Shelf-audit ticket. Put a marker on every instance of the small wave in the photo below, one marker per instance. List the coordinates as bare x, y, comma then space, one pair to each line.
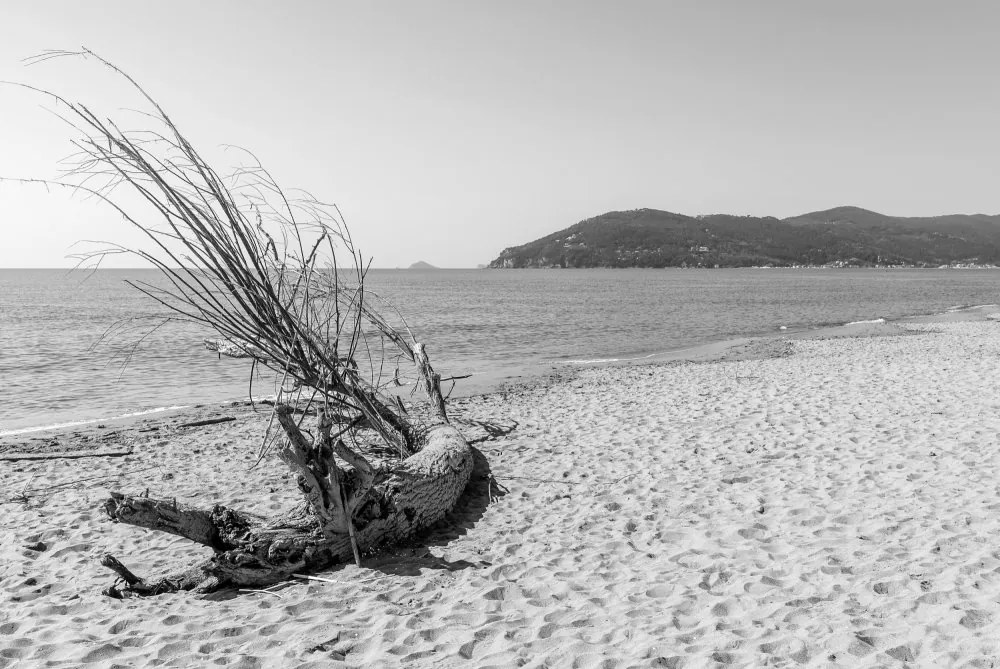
873, 321
89, 421
595, 361
964, 307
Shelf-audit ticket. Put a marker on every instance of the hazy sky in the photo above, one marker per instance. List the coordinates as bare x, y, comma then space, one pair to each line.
447, 131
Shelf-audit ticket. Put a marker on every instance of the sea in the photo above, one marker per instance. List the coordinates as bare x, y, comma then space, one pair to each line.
75, 347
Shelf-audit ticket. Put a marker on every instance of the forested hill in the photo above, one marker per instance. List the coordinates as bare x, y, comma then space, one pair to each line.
841, 236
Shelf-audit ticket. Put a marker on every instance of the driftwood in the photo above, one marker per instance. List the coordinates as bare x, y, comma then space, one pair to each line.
71, 455
385, 506
208, 421
357, 504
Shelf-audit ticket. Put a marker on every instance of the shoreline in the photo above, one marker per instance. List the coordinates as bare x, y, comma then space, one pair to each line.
42, 401
711, 349
542, 372
745, 348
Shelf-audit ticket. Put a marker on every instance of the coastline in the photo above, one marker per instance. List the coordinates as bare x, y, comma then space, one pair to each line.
737, 347
515, 375
536, 324
798, 499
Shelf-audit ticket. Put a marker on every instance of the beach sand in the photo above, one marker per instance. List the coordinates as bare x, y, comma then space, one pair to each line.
830, 501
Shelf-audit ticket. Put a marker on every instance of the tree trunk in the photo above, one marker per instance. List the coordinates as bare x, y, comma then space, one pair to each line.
385, 505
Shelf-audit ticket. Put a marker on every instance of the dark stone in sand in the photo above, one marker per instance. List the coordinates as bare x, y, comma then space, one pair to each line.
37, 546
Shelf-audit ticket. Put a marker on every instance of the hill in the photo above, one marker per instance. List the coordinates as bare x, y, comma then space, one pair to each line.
840, 236
420, 264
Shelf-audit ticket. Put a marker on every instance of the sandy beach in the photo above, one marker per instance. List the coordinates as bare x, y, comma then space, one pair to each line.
809, 501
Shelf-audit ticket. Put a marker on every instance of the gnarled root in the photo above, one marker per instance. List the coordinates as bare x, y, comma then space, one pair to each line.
192, 579
252, 551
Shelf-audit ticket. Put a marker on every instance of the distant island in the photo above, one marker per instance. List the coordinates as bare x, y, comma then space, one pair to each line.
420, 264
840, 237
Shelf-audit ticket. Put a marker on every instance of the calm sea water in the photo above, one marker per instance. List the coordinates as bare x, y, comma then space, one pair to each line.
55, 369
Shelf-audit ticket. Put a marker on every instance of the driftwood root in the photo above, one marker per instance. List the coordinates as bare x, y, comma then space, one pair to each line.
386, 507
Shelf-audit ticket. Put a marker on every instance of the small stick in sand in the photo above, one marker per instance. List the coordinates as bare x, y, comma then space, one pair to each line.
71, 455
22, 497
263, 592
315, 578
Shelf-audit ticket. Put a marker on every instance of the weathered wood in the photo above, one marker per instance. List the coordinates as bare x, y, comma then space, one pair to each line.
431, 382
192, 579
358, 505
72, 455
220, 528
253, 552
343, 506
208, 421
314, 474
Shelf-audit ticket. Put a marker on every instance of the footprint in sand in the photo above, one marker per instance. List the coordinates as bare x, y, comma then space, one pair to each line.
754, 532
119, 626
102, 654
16, 654
724, 657
660, 591
887, 588
70, 549
975, 618
723, 609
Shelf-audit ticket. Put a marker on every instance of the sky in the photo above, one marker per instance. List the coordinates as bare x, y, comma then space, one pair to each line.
447, 131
